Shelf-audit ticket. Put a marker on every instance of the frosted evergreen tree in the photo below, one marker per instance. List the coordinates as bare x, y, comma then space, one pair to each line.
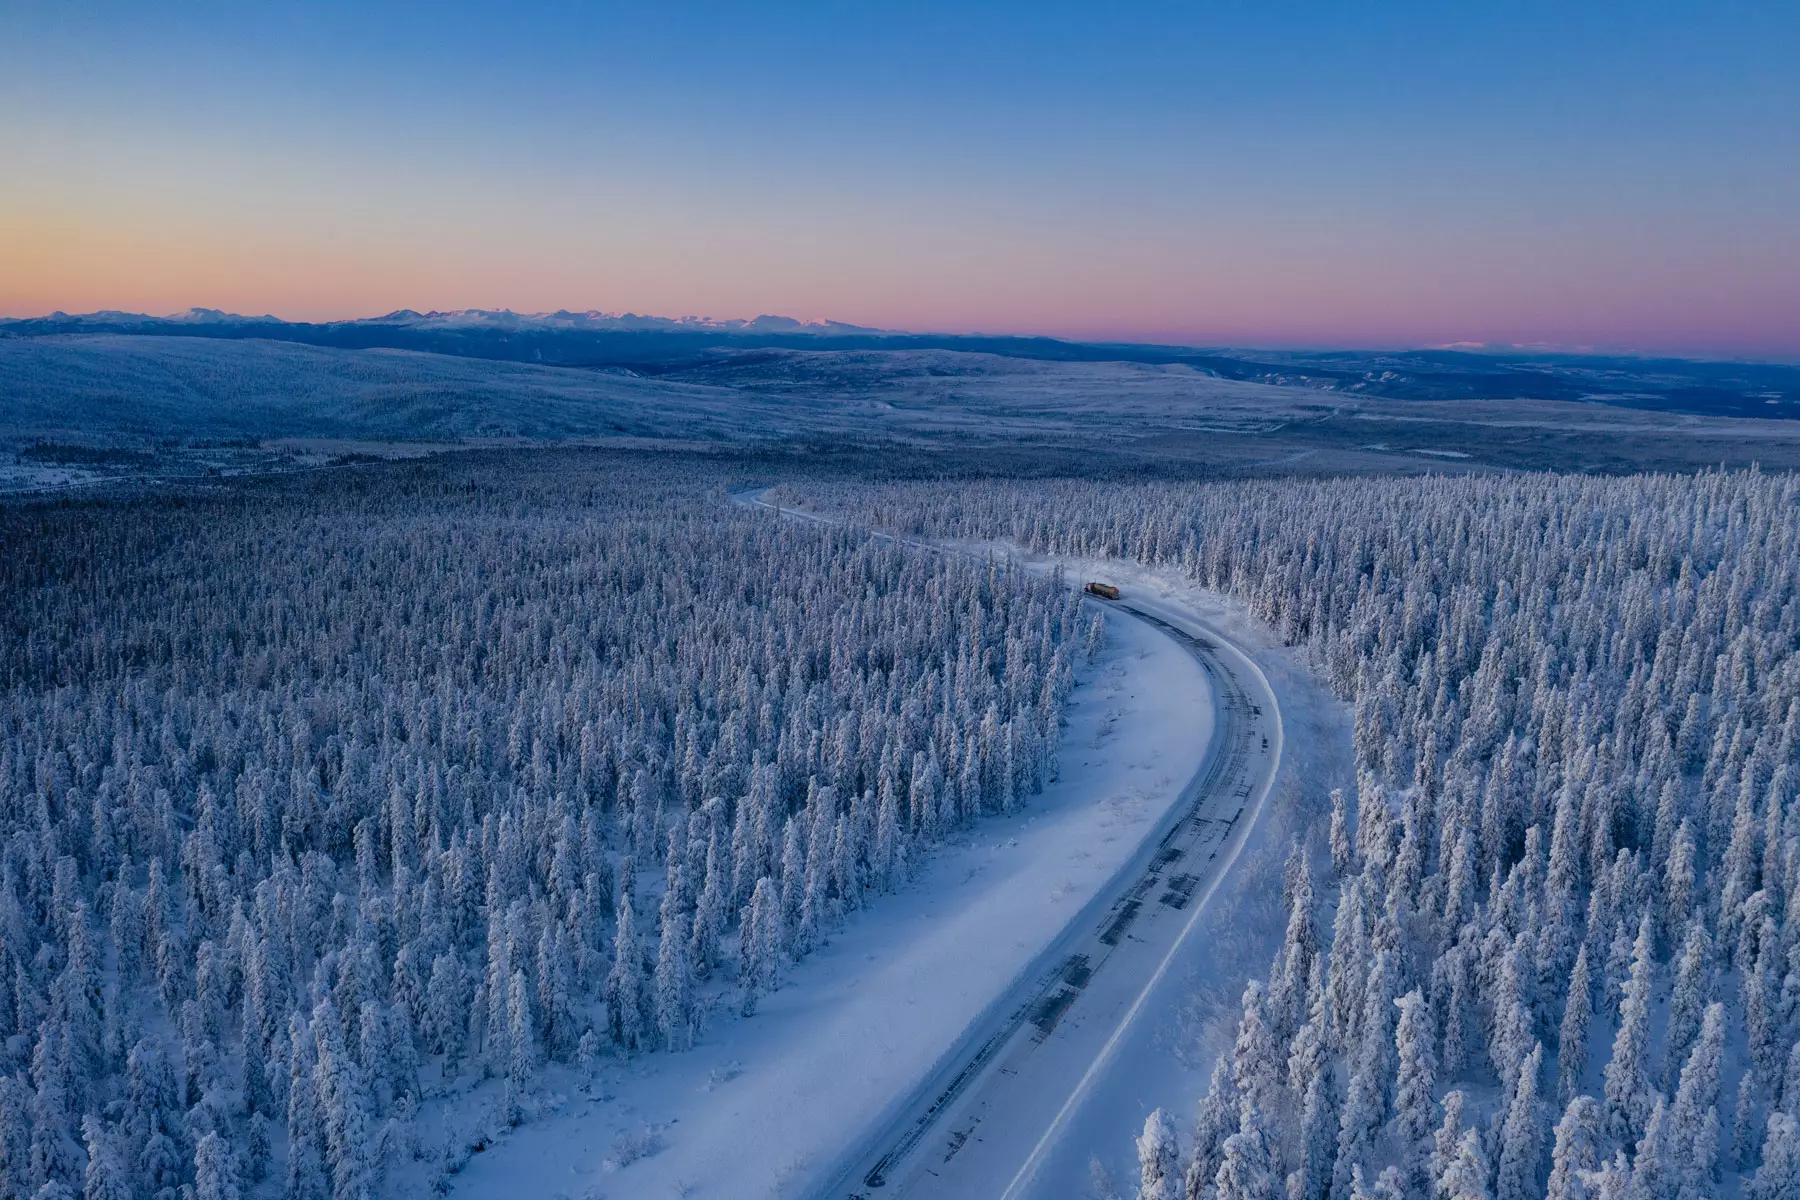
1096, 636
1346, 978
1255, 1066
344, 1105
1447, 1139
1318, 1139
1459, 884
1452, 993
1790, 1086
253, 1074
1743, 1121
1628, 1090
1688, 999
1309, 1052
215, 1169
556, 994
709, 913
674, 983
1679, 876
1576, 1153
306, 1166
1358, 1123
259, 1148
1510, 1040
1465, 1177
625, 982
1295, 961
1159, 1159
1340, 833
521, 1043
1572, 1039
1216, 1120
1361, 1118
1612, 1181
1247, 1169
1694, 1117
890, 852
105, 1176
55, 1154
80, 1002
1521, 1135
1760, 988
761, 944
1415, 1114
446, 1008
1390, 1184
1650, 1166
1778, 1178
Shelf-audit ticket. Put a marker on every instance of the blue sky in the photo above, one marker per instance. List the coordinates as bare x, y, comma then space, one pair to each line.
1622, 176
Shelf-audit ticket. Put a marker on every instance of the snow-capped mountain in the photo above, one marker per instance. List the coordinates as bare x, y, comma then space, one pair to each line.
503, 319
594, 319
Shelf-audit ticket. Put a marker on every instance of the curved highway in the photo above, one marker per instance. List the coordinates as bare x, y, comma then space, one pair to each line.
1064, 1048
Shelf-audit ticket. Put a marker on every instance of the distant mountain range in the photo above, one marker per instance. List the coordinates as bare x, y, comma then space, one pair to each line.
678, 346
114, 321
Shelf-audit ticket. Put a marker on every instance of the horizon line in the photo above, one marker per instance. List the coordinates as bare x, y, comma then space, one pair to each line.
727, 325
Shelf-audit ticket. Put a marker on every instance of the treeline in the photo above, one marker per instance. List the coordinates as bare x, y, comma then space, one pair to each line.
1556, 948
330, 795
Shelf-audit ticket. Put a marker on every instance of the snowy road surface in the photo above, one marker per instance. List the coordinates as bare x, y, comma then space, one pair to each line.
1036, 1090
1055, 1072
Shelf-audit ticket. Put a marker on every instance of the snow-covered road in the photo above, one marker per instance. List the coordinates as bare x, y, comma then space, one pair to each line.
1040, 1084
1056, 1071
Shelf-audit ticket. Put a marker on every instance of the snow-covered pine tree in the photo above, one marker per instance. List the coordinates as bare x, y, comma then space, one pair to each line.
1159, 1159
1576, 1153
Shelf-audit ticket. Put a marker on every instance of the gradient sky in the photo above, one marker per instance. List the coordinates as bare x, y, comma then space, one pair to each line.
1576, 174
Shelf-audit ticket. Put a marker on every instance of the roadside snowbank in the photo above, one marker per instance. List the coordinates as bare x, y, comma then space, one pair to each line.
761, 1106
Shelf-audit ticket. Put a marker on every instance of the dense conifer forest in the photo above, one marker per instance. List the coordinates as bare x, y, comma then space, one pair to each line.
1549, 943
322, 798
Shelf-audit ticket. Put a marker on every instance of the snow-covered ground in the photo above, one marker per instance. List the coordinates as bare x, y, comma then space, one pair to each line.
41, 477
762, 1107
1164, 1059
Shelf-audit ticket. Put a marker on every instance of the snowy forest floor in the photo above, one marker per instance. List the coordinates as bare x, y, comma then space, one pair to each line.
760, 1107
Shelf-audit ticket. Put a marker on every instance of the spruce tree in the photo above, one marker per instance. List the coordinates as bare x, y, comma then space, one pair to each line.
1465, 1176
1414, 1109
1572, 1038
1778, 1178
1521, 1135
1576, 1153
1628, 1091
1159, 1159
1694, 1117
1247, 1169
215, 1169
